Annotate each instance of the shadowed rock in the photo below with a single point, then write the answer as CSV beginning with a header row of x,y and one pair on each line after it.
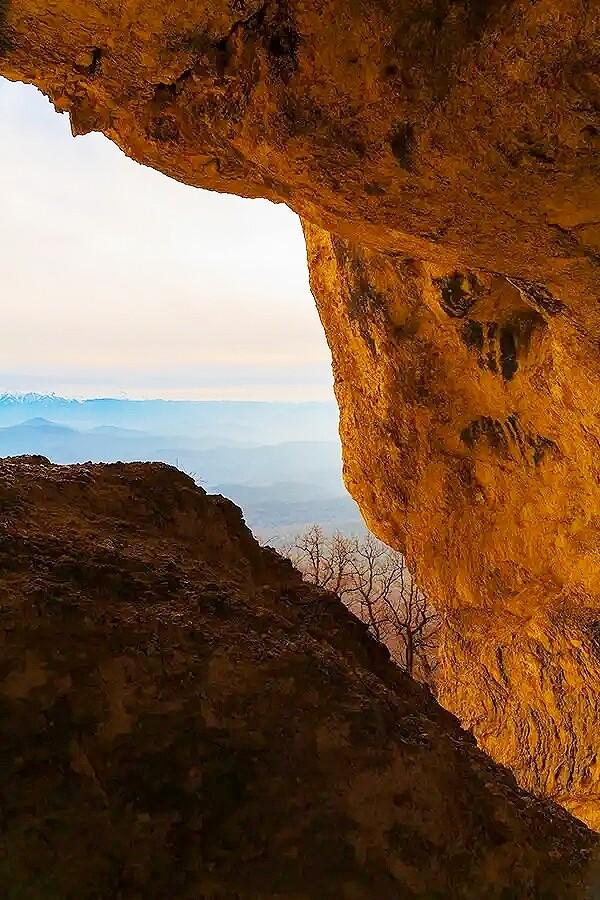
x,y
182,716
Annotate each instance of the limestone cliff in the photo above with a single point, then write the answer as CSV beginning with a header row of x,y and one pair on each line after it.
x,y
445,154
182,716
452,391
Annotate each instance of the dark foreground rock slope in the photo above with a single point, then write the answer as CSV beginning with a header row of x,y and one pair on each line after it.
x,y
182,717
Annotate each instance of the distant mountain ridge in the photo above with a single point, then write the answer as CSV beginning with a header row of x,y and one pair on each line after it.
x,y
282,486
317,461
32,397
39,424
219,421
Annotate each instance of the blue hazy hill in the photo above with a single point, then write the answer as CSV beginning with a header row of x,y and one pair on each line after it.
x,y
282,465
239,421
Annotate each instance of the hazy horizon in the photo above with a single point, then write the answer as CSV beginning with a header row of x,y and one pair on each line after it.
x,y
131,396
122,282
280,461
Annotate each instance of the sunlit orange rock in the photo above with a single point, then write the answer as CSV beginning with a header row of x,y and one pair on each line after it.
x,y
452,388
445,155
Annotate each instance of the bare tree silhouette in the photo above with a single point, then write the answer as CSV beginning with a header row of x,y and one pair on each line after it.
x,y
375,584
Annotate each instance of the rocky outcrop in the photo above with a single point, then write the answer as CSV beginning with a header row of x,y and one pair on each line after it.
x,y
182,716
468,461
445,154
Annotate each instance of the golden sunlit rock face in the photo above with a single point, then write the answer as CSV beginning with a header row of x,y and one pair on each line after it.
x,y
453,388
445,159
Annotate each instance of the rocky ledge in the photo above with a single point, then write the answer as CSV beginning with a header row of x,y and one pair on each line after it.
x,y
182,716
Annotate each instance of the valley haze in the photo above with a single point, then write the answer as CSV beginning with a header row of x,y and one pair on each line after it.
x,y
279,461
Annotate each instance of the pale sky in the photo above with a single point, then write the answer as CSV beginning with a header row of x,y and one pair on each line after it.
x,y
116,280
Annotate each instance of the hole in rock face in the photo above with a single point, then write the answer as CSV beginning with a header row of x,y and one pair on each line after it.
x,y
508,353
165,130
458,293
165,94
473,335
591,136
96,59
282,46
284,42
510,437
403,145
88,62
491,358
222,55
485,427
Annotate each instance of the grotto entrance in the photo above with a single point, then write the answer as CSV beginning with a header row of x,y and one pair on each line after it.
x,y
444,161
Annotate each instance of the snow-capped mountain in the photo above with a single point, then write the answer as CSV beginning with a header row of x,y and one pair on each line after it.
x,y
216,422
31,398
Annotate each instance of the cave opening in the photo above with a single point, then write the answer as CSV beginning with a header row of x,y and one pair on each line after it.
x,y
145,290
446,178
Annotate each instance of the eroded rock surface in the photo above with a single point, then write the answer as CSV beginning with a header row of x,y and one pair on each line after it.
x,y
448,129
182,716
446,156
468,461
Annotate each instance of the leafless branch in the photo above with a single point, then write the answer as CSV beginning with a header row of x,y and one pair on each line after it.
x,y
377,587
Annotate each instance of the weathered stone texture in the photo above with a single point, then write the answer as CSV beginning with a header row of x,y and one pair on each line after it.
x,y
453,388
182,716
445,158
463,131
